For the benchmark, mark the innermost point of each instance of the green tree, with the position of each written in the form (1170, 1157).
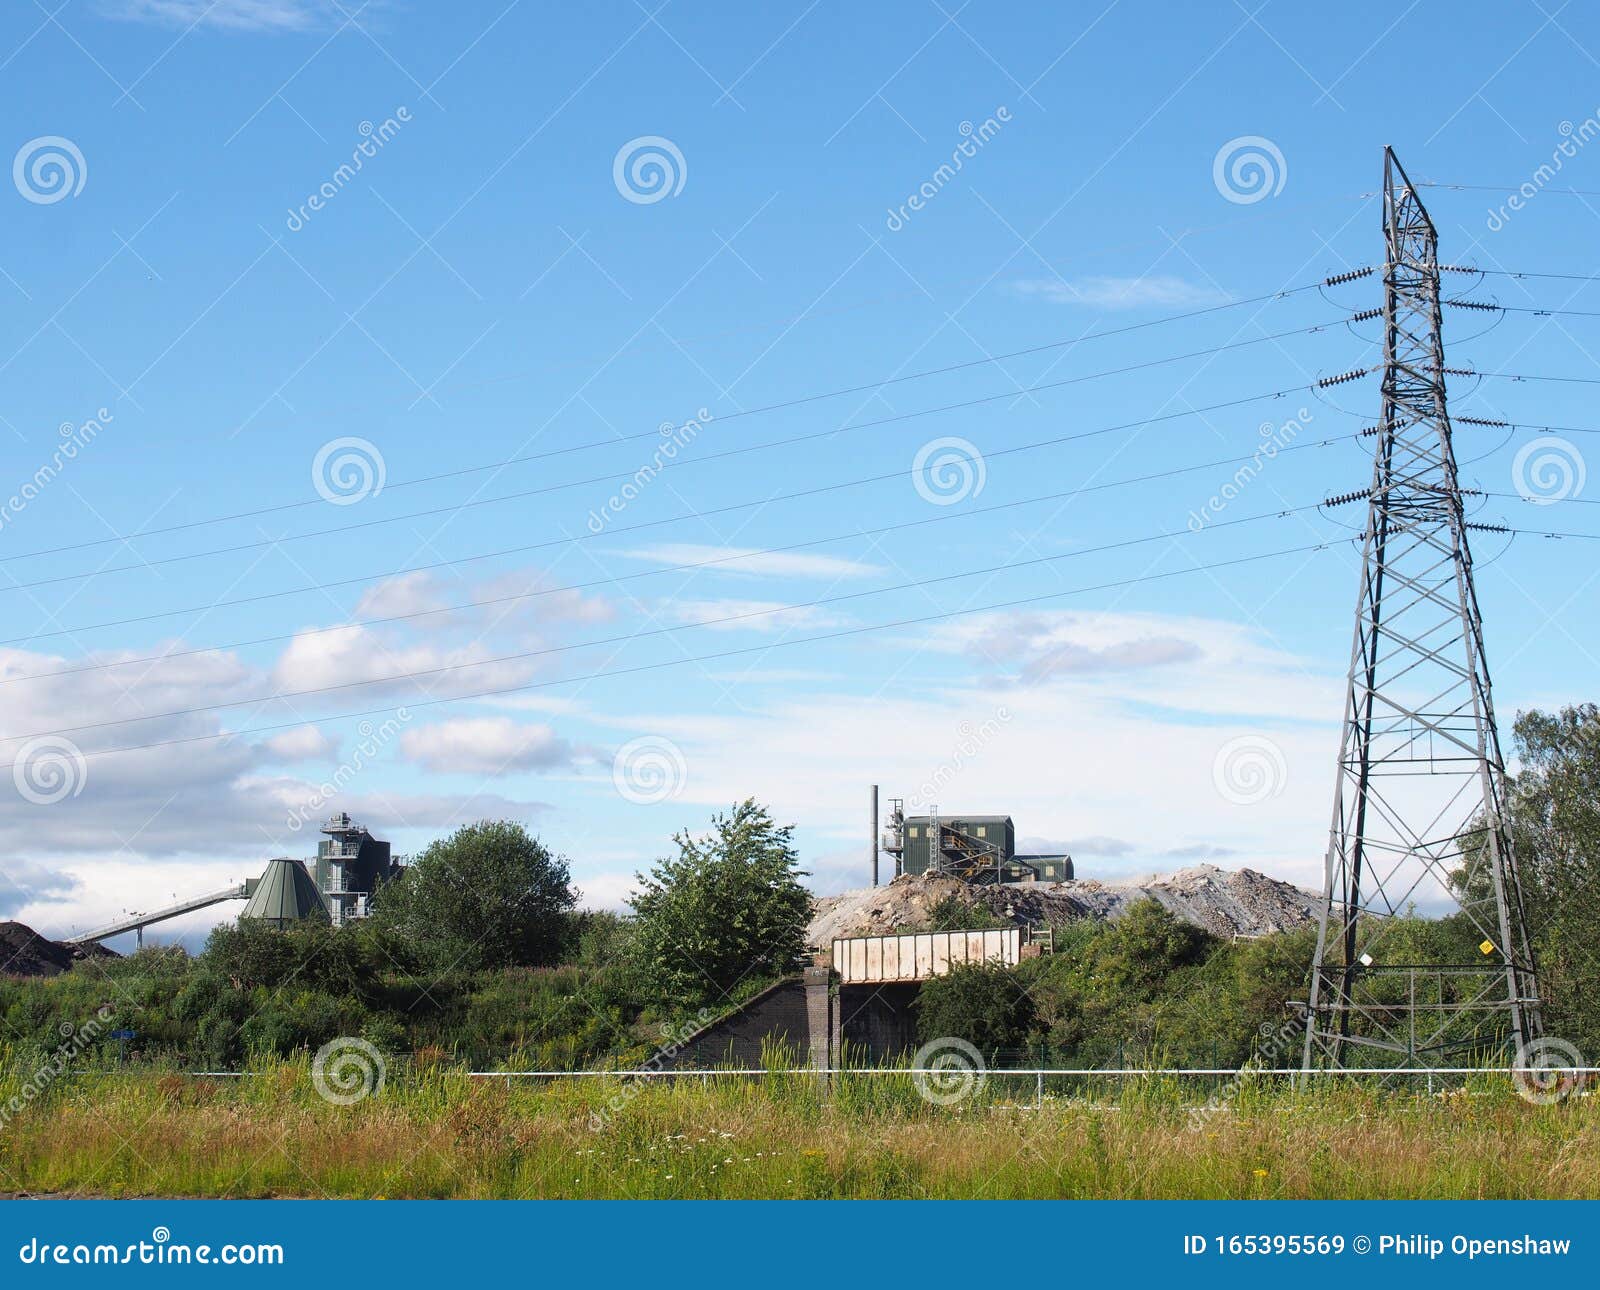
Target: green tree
(987, 1004)
(1554, 814)
(727, 909)
(491, 895)
(1555, 808)
(1129, 986)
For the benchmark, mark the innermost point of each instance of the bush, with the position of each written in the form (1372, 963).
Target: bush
(986, 1004)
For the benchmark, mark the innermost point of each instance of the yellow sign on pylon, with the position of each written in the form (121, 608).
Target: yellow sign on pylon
(1487, 947)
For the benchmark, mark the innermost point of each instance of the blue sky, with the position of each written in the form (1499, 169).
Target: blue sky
(191, 247)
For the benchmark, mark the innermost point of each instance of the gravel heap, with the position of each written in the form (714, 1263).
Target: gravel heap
(1225, 902)
(23, 952)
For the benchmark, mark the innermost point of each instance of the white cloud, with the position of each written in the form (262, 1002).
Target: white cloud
(303, 743)
(24, 882)
(1124, 293)
(230, 15)
(1098, 845)
(524, 601)
(1083, 756)
(753, 562)
(352, 657)
(485, 746)
(606, 891)
(753, 615)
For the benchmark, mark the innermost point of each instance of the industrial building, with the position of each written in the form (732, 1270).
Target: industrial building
(974, 848)
(350, 866)
(283, 895)
(337, 886)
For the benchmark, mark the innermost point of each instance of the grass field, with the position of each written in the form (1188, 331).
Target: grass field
(442, 1134)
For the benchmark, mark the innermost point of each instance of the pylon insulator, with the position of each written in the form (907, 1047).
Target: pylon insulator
(1350, 275)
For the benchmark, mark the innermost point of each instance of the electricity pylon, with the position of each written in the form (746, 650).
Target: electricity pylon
(1418, 811)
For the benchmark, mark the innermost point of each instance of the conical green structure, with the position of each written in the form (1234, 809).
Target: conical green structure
(284, 894)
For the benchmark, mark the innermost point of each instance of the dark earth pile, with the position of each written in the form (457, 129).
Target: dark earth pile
(23, 952)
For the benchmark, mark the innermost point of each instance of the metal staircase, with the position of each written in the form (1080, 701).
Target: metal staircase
(960, 855)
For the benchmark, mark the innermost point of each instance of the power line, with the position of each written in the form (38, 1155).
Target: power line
(1527, 376)
(784, 405)
(522, 655)
(1522, 425)
(734, 653)
(1280, 209)
(610, 478)
(796, 402)
(1525, 309)
(676, 519)
(1558, 277)
(1506, 188)
(704, 658)
(686, 567)
(768, 612)
(633, 528)
(1550, 501)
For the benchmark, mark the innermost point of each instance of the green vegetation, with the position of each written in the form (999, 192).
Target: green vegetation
(1555, 815)
(727, 909)
(1144, 990)
(489, 896)
(477, 958)
(440, 1133)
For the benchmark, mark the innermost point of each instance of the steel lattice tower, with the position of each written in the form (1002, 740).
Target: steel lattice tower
(1418, 808)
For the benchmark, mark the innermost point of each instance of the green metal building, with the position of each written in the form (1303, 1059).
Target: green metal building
(975, 848)
(283, 895)
(350, 866)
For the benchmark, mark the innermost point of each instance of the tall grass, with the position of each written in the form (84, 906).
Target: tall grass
(439, 1132)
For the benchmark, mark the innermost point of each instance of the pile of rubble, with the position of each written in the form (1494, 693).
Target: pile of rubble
(23, 952)
(1237, 902)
